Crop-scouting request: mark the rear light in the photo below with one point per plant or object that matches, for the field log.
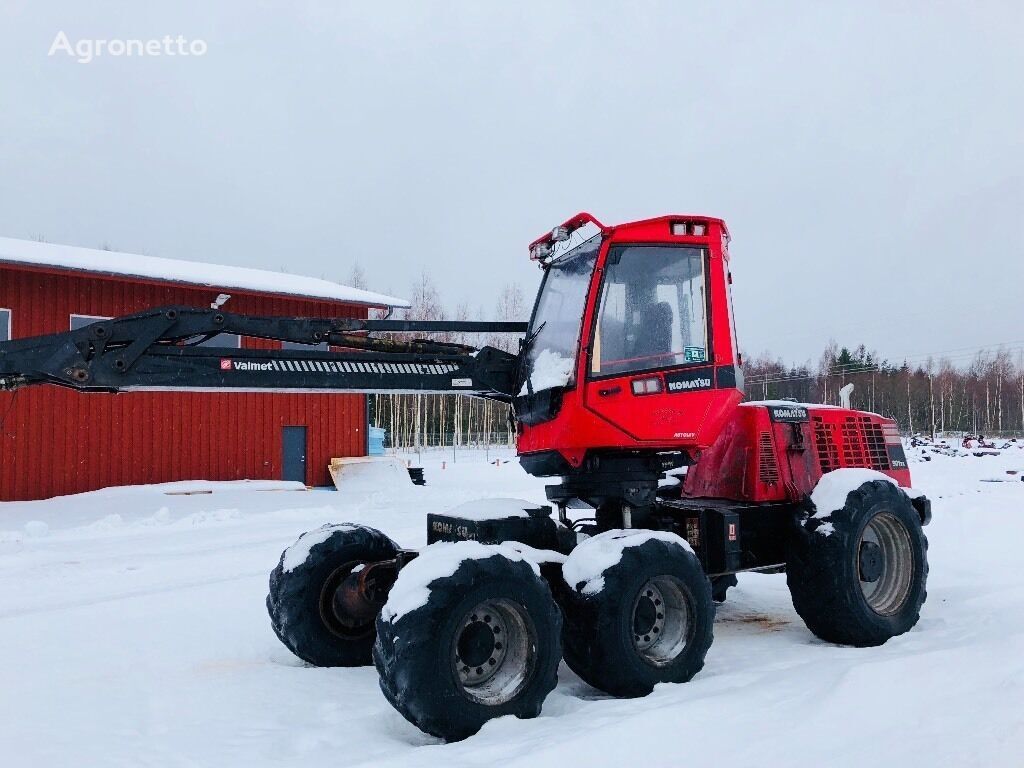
(891, 433)
(648, 386)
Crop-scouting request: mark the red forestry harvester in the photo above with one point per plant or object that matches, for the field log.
(628, 372)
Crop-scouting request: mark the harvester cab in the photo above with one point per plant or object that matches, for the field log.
(631, 344)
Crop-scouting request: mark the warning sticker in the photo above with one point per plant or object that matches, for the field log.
(694, 354)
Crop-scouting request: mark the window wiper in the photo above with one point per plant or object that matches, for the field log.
(524, 348)
(528, 341)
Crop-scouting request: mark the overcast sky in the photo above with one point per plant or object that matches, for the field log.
(869, 160)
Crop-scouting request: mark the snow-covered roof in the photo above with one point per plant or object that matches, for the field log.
(71, 257)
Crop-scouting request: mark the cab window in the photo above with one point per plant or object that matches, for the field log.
(653, 311)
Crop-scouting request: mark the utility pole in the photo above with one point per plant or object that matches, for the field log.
(931, 400)
(910, 414)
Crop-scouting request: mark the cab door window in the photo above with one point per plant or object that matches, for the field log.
(653, 311)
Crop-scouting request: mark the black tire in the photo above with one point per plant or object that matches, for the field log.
(720, 585)
(599, 640)
(415, 653)
(825, 572)
(299, 601)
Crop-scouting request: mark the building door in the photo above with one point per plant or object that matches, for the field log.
(293, 464)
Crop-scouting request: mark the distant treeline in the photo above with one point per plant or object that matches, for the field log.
(982, 394)
(415, 421)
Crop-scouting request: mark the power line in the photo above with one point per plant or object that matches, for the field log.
(855, 367)
(755, 380)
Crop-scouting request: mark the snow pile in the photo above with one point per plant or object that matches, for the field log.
(191, 487)
(298, 553)
(550, 370)
(917, 451)
(137, 507)
(36, 528)
(185, 487)
(181, 607)
(362, 474)
(438, 561)
(585, 567)
(492, 509)
(923, 447)
(189, 272)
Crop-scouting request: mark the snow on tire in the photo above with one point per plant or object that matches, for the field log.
(638, 611)
(472, 634)
(301, 602)
(857, 574)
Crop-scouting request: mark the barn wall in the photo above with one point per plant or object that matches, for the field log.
(55, 441)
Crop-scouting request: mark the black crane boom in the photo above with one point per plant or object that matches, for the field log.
(166, 348)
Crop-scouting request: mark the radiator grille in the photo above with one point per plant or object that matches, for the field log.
(854, 451)
(767, 464)
(863, 443)
(874, 444)
(828, 452)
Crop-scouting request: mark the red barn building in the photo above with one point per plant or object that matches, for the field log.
(55, 441)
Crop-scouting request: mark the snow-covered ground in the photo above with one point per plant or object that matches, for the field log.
(133, 632)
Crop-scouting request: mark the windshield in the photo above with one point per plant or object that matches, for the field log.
(555, 328)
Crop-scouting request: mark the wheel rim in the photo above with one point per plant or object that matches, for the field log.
(661, 620)
(334, 618)
(885, 564)
(495, 651)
